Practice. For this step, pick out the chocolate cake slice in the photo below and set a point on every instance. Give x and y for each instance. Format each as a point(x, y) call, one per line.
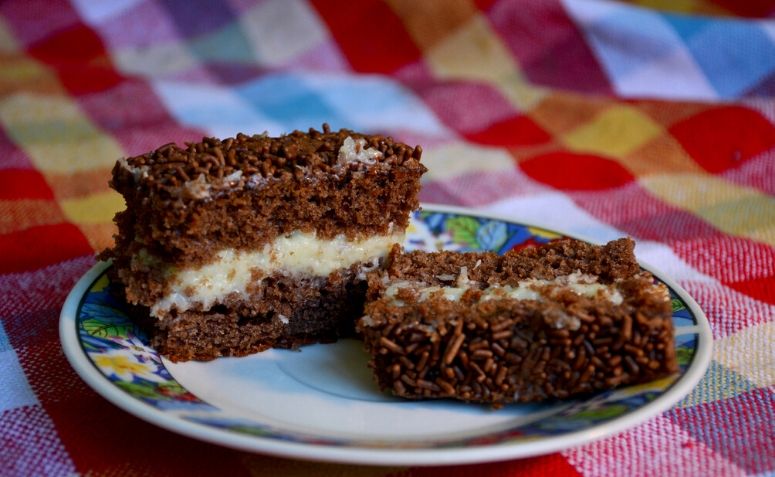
point(543, 323)
point(233, 246)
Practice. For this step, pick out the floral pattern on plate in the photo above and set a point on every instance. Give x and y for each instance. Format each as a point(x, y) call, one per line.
point(121, 352)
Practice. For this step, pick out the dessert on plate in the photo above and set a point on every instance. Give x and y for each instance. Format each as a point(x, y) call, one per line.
point(550, 322)
point(234, 246)
point(229, 247)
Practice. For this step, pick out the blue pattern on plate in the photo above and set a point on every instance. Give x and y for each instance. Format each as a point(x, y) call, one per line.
point(121, 351)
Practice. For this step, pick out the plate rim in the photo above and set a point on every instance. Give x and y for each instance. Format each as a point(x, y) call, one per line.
point(378, 456)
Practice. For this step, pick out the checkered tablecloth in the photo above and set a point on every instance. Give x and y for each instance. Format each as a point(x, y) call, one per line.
point(596, 117)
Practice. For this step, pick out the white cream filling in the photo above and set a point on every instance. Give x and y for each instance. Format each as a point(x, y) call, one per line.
point(299, 253)
point(530, 289)
point(354, 150)
point(137, 172)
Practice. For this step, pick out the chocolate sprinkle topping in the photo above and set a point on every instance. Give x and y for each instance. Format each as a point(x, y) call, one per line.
point(507, 350)
point(259, 157)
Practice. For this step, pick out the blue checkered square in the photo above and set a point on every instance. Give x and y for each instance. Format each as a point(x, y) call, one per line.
point(628, 39)
point(735, 56)
point(287, 100)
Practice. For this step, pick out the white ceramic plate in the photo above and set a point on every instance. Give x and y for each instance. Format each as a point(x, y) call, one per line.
point(321, 403)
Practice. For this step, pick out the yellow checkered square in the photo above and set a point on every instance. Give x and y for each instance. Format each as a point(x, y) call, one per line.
point(615, 132)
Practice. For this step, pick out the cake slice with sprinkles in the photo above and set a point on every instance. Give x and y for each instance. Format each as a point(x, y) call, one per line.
point(551, 322)
point(237, 245)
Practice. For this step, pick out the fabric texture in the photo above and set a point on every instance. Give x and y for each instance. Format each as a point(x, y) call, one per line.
point(594, 117)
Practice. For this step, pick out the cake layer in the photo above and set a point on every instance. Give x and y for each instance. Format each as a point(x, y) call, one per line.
point(543, 323)
point(608, 263)
point(186, 203)
point(232, 272)
point(284, 312)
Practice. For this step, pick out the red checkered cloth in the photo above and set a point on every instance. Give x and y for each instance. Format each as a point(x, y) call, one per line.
point(598, 117)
